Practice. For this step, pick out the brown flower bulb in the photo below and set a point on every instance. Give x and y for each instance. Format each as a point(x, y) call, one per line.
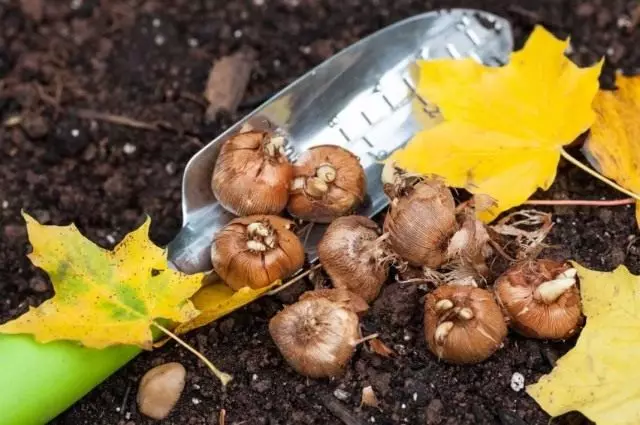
point(421, 218)
point(252, 174)
point(344, 297)
point(541, 299)
point(316, 336)
point(463, 324)
point(355, 256)
point(328, 182)
point(255, 251)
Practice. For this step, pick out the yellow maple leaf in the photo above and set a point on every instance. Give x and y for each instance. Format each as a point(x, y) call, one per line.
point(599, 377)
point(103, 297)
point(217, 300)
point(613, 146)
point(504, 127)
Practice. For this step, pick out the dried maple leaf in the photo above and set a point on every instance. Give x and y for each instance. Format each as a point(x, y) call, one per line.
point(103, 297)
point(504, 127)
point(613, 147)
point(599, 377)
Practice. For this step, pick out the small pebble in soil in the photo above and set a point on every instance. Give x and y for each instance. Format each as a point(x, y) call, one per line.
point(129, 148)
point(159, 40)
point(195, 401)
point(193, 42)
point(5, 204)
point(160, 388)
point(341, 394)
point(170, 168)
point(517, 381)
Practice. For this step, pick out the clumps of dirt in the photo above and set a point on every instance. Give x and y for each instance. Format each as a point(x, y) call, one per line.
point(148, 61)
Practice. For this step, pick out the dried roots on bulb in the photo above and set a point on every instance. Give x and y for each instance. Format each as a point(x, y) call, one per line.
point(527, 230)
point(421, 219)
point(328, 182)
point(355, 256)
point(256, 251)
point(541, 299)
point(343, 297)
point(252, 174)
point(316, 336)
point(469, 248)
point(463, 324)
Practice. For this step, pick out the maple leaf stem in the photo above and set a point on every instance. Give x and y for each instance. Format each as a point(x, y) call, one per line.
point(223, 377)
point(597, 175)
point(585, 202)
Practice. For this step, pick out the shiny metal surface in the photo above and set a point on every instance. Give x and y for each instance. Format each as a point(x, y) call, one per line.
point(363, 98)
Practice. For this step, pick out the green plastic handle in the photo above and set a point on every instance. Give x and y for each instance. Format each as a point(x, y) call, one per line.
point(40, 381)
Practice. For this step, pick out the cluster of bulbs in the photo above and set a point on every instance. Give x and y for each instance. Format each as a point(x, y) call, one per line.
point(318, 334)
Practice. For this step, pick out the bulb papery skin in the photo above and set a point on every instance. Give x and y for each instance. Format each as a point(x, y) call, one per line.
point(463, 325)
point(256, 251)
point(343, 297)
point(252, 175)
point(316, 336)
point(354, 256)
point(555, 318)
point(420, 223)
point(328, 182)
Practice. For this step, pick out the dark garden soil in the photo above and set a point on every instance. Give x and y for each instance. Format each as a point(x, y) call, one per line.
point(149, 60)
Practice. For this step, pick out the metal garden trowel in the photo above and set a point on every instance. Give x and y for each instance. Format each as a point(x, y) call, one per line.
point(362, 98)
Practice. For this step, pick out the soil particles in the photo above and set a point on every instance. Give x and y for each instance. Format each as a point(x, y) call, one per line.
point(101, 104)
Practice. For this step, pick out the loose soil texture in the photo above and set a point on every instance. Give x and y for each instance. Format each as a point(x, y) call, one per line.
point(148, 61)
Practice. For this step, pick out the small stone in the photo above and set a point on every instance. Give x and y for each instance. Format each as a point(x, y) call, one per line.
point(517, 382)
point(129, 148)
point(195, 401)
point(5, 204)
point(159, 39)
point(434, 412)
point(160, 389)
point(237, 33)
point(341, 394)
point(170, 168)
